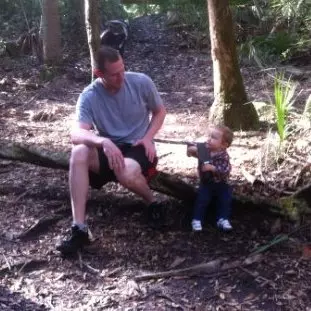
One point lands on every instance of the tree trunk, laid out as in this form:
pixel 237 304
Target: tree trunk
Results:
pixel 81 15
pixel 77 18
pixel 52 52
pixel 230 105
pixel 92 23
pixel 291 207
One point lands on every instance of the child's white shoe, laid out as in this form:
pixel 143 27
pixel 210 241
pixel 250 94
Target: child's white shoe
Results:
pixel 196 225
pixel 224 224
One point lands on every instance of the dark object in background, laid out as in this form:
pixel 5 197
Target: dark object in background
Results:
pixel 204 157
pixel 115 35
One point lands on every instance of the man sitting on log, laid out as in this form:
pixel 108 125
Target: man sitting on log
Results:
pixel 118 105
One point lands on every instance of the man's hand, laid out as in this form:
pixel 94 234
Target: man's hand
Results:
pixel 114 155
pixel 206 167
pixel 192 151
pixel 149 148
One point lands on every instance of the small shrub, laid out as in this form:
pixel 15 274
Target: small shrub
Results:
pixel 267 49
pixel 284 92
pixel 270 152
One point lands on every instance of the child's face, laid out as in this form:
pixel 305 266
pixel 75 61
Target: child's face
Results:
pixel 215 139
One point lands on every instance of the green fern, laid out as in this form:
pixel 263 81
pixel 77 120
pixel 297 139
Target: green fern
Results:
pixel 284 92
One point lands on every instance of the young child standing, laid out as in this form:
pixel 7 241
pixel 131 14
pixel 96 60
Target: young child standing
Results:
pixel 214 168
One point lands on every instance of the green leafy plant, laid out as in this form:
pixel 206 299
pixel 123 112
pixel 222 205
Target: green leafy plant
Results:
pixel 136 10
pixel 292 12
pixel 190 13
pixel 284 91
pixel 267 49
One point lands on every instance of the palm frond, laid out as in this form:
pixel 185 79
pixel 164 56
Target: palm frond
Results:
pixel 284 91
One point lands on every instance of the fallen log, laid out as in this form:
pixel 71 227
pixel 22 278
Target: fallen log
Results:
pixel 291 207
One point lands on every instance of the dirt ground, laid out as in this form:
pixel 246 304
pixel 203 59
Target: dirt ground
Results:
pixel 35 277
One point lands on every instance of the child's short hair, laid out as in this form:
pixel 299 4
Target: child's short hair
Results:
pixel 227 134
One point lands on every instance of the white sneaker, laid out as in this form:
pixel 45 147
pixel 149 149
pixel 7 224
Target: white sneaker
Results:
pixel 224 224
pixel 196 225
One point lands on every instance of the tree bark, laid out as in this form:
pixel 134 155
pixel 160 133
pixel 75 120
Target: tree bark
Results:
pixel 52 52
pixel 92 24
pixel 76 18
pixel 291 207
pixel 230 105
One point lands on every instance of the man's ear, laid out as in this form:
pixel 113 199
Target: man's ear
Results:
pixel 98 73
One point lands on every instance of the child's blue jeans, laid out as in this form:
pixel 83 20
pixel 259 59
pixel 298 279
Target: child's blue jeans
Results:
pixel 221 191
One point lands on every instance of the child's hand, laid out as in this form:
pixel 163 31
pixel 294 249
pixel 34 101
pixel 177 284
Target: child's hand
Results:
pixel 206 167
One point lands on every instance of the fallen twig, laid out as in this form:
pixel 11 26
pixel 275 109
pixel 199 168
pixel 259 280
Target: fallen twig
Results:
pixel 26 266
pixel 21 196
pixel 90 268
pixel 113 272
pixel 173 142
pixel 40 226
pixel 264 281
pixel 7 262
pixel 164 155
pixel 253 274
pixel 209 267
pixel 170 299
pixel 258 278
pixel 278 239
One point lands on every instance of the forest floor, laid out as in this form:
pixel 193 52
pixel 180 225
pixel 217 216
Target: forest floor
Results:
pixel 35 277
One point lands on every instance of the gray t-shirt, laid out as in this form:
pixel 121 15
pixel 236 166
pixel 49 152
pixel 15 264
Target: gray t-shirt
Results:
pixel 123 117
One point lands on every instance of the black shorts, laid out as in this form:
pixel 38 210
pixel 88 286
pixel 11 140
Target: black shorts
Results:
pixel 106 175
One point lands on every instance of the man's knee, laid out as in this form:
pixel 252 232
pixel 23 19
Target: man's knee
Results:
pixel 80 154
pixel 131 174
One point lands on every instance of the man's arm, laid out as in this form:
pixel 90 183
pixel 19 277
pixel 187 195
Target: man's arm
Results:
pixel 158 116
pixel 156 122
pixel 192 151
pixel 81 134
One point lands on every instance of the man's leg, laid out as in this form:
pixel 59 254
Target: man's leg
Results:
pixel 133 179
pixel 82 160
